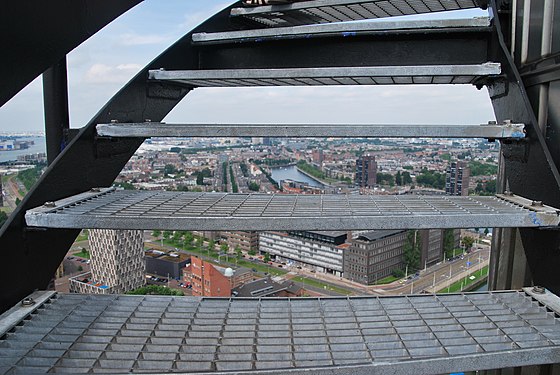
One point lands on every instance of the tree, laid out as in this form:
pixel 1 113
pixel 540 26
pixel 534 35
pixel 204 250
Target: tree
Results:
pixel 266 257
pixel 212 245
pixel 3 217
pixel 169 169
pixel 199 179
pixel 167 234
pixel 467 242
pixel 406 178
pixel 253 186
pixel 238 251
pixel 18 201
pixel 252 252
pixel 486 231
pixel 224 248
pixel 398 178
pixel 80 268
pixel 412 250
pixel 177 236
pixel 448 240
pixel 385 179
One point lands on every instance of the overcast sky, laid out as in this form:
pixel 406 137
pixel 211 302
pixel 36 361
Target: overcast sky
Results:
pixel 103 64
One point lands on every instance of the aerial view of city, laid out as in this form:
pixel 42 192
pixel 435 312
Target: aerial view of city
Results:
pixel 280 187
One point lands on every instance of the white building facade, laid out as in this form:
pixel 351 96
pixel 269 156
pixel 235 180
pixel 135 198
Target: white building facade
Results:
pixel 320 251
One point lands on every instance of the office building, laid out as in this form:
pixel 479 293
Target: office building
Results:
pixel 164 264
pixel 457 178
pixel 374 255
pixel 246 241
pixel 366 171
pixel 321 251
pixel 117 263
pixel 317 156
pixel 431 247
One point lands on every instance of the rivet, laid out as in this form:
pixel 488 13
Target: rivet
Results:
pixel 508 193
pixel 536 203
pixel 50 204
pixel 95 190
pixel 539 289
pixel 28 302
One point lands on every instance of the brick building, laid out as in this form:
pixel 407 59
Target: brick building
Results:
pixel 366 171
pixel 207 280
pixel 457 178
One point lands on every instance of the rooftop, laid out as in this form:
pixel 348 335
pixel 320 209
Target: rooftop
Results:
pixel 378 234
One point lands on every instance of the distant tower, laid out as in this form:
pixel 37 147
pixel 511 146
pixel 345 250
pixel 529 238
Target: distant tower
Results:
pixel 457 179
pixel 366 171
pixel 117 263
pixel 318 156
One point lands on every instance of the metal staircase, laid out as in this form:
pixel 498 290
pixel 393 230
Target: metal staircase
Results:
pixel 292 45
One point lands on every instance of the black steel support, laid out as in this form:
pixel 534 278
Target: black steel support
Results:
pixel 57 119
pixel 31 256
pixel 529 170
pixel 464 47
pixel 35 34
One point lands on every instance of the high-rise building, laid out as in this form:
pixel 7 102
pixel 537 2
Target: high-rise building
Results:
pixel 117 263
pixel 374 255
pixel 246 241
pixel 317 156
pixel 431 250
pixel 366 171
pixel 457 178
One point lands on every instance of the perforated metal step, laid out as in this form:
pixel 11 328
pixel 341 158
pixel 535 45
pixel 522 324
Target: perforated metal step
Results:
pixel 157 129
pixel 377 75
pixel 344 30
pixel 118 209
pixel 325 11
pixel 423 334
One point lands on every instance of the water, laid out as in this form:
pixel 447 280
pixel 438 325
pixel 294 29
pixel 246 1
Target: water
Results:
pixel 38 147
pixel 291 173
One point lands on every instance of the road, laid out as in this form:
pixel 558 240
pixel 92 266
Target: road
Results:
pixel 442 275
pixel 12 188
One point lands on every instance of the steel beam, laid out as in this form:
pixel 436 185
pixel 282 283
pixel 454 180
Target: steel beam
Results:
pixel 86 161
pixel 39 33
pixel 111 209
pixel 479 24
pixel 151 129
pixel 530 170
pixel 374 75
pixel 57 119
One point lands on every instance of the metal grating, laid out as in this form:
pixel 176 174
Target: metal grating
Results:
pixel 420 334
pixel 327 11
pixel 118 209
pixel 377 75
pixel 345 30
pixel 158 129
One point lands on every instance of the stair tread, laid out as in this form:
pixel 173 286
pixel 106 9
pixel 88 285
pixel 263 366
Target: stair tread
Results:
pixel 326 11
pixel 157 129
pixel 376 75
pixel 120 209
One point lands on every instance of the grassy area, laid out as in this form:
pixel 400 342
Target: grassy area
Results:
pixel 84 235
pixel 318 284
pixel 83 254
pixel 240 262
pixel 387 280
pixel 453 253
pixel 456 287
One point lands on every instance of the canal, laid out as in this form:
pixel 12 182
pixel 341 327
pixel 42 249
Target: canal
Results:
pixel 292 173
